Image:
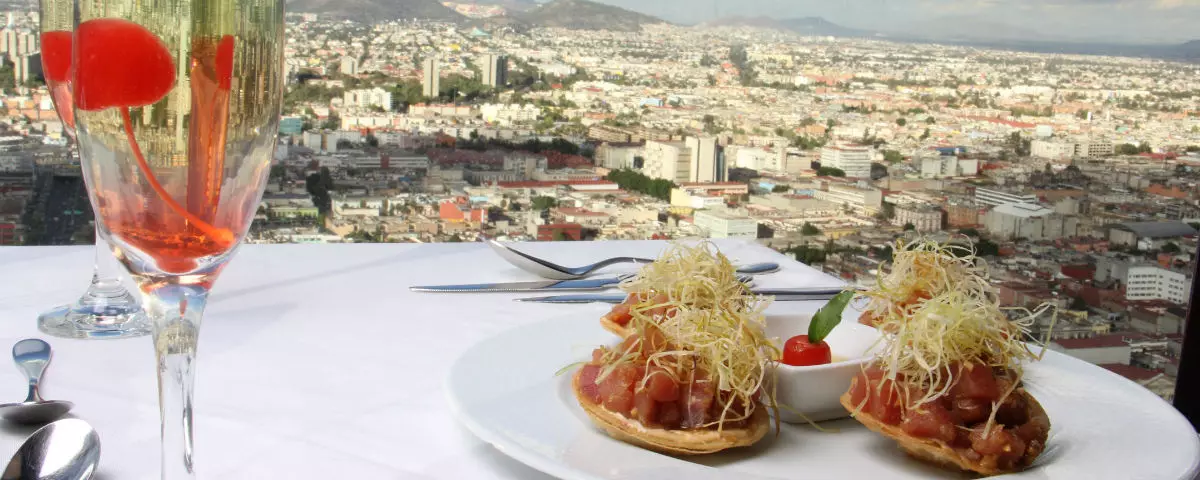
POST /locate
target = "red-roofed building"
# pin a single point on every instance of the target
(1101, 349)
(553, 231)
(10, 234)
(1137, 374)
(1079, 272)
(460, 211)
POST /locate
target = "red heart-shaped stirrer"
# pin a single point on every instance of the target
(225, 63)
(56, 55)
(122, 64)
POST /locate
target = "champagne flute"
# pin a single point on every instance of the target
(177, 107)
(106, 309)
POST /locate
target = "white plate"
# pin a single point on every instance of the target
(505, 391)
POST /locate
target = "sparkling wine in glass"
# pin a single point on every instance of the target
(177, 107)
(106, 309)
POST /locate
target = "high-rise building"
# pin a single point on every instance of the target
(25, 43)
(854, 160)
(668, 161)
(8, 40)
(26, 67)
(495, 70)
(349, 65)
(707, 160)
(368, 97)
(430, 80)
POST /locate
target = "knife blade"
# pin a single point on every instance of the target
(532, 286)
(780, 294)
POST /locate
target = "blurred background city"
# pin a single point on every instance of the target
(1062, 137)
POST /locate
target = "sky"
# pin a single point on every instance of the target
(1098, 21)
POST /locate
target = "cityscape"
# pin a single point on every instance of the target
(1076, 175)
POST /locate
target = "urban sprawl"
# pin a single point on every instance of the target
(1076, 177)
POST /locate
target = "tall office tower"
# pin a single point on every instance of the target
(495, 70)
(23, 45)
(8, 40)
(430, 81)
(854, 160)
(707, 160)
(349, 65)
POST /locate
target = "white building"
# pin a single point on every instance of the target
(509, 114)
(524, 165)
(349, 66)
(620, 155)
(1064, 149)
(854, 160)
(924, 218)
(708, 160)
(1030, 221)
(431, 82)
(726, 225)
(993, 197)
(495, 70)
(943, 166)
(759, 158)
(368, 97)
(668, 161)
(861, 199)
(1153, 282)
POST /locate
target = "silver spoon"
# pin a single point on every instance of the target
(547, 269)
(32, 355)
(68, 449)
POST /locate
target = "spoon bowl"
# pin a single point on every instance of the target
(32, 356)
(35, 413)
(68, 449)
(547, 269)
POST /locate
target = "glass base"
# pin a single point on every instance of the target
(103, 312)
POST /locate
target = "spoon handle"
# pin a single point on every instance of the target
(31, 356)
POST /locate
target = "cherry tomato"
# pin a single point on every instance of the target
(797, 351)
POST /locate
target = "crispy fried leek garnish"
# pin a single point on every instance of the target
(938, 311)
(708, 321)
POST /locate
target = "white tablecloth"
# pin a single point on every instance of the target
(315, 361)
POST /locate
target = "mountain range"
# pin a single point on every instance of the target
(971, 32)
(814, 26)
(586, 15)
(590, 15)
(372, 11)
(572, 14)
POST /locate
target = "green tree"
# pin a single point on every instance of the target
(908, 227)
(892, 157)
(561, 236)
(887, 211)
(925, 135)
(1170, 247)
(543, 203)
(781, 188)
(1078, 303)
(929, 120)
(830, 172)
(986, 248)
(809, 230)
(901, 121)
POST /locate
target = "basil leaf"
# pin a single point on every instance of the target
(828, 317)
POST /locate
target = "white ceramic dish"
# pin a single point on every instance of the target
(811, 393)
(504, 389)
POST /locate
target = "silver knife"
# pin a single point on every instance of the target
(533, 286)
(780, 294)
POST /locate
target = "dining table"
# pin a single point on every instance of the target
(315, 361)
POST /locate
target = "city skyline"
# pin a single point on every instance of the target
(1091, 21)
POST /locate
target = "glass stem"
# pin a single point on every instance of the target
(104, 272)
(176, 311)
